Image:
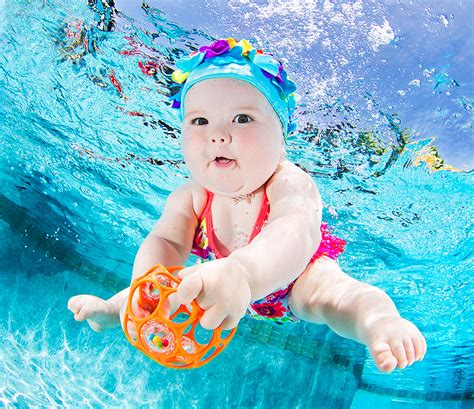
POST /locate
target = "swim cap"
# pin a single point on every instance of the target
(229, 59)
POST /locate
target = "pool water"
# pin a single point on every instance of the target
(52, 361)
(86, 167)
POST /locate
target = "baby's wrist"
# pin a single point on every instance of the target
(245, 273)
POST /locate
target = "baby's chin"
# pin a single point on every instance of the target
(232, 190)
(234, 183)
(230, 193)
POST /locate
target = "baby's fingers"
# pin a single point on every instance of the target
(83, 312)
(186, 271)
(75, 303)
(212, 318)
(189, 288)
(230, 323)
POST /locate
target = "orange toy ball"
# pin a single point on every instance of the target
(171, 340)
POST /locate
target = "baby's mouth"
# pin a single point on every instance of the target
(223, 160)
(224, 163)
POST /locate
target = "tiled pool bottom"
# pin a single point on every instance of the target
(52, 360)
(365, 400)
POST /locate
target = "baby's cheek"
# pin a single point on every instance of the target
(189, 147)
(261, 153)
(194, 158)
(248, 145)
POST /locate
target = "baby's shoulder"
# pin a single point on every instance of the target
(199, 196)
(288, 173)
(291, 181)
(190, 195)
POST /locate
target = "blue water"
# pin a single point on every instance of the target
(385, 124)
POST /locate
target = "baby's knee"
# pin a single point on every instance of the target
(307, 299)
(306, 306)
(303, 298)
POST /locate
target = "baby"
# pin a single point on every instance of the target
(253, 217)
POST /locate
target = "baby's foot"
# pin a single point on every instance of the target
(100, 314)
(395, 342)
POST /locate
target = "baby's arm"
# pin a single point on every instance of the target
(169, 243)
(277, 255)
(171, 240)
(280, 253)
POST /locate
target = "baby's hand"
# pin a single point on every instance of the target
(395, 342)
(100, 314)
(220, 288)
(103, 314)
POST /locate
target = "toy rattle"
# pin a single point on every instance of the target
(169, 340)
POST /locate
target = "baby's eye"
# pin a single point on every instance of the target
(193, 122)
(246, 119)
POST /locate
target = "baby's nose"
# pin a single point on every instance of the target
(221, 137)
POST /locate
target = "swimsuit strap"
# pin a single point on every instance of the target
(263, 215)
(207, 207)
(207, 214)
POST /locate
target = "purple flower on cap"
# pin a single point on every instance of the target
(216, 48)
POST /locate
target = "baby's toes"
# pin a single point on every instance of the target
(386, 362)
(383, 357)
(409, 351)
(420, 347)
(398, 350)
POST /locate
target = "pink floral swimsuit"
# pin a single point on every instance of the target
(274, 307)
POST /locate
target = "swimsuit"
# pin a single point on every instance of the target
(274, 307)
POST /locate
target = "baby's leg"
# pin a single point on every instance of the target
(355, 310)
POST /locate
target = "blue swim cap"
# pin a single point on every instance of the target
(229, 59)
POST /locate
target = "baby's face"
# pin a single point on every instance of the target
(231, 119)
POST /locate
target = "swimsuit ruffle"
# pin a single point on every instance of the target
(330, 246)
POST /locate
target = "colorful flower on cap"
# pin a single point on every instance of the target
(216, 48)
(226, 51)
